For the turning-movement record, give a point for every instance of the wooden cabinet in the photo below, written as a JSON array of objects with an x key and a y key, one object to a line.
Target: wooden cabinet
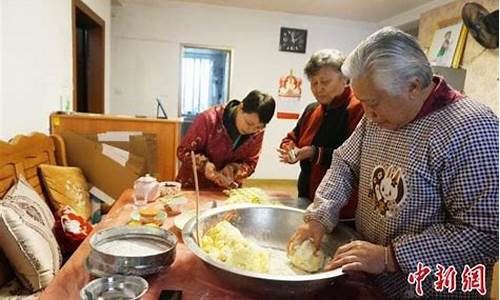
[{"x": 167, "y": 133}]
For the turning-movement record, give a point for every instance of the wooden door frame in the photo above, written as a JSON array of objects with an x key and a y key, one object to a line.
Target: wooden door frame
[{"x": 97, "y": 82}]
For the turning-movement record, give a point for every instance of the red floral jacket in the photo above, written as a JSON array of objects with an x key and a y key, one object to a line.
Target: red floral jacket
[{"x": 208, "y": 136}]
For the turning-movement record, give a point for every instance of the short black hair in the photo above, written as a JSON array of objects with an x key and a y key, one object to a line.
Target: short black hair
[{"x": 261, "y": 104}]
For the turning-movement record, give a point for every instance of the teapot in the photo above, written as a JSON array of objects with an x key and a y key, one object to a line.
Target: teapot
[{"x": 146, "y": 188}]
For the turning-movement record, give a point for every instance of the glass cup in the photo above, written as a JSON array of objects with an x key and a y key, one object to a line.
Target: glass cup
[{"x": 140, "y": 200}]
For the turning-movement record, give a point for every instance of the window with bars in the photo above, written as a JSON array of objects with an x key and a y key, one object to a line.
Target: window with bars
[{"x": 205, "y": 79}]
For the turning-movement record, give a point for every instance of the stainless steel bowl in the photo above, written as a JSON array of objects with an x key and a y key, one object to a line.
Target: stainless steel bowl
[
  {"x": 114, "y": 288},
  {"x": 104, "y": 260},
  {"x": 271, "y": 227}
]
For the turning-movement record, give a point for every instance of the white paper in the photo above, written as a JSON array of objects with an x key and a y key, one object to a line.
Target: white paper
[
  {"x": 96, "y": 192},
  {"x": 116, "y": 136},
  {"x": 116, "y": 154}
]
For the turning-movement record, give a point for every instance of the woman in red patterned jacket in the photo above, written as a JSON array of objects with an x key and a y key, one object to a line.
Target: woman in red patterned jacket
[
  {"x": 324, "y": 124},
  {"x": 226, "y": 141}
]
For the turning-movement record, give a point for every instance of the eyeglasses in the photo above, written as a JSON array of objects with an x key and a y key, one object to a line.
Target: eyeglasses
[{"x": 249, "y": 121}]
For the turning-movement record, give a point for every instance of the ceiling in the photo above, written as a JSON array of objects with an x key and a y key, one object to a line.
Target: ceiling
[{"x": 359, "y": 10}]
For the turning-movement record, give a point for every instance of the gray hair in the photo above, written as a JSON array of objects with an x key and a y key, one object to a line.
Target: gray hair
[
  {"x": 390, "y": 57},
  {"x": 324, "y": 58}
]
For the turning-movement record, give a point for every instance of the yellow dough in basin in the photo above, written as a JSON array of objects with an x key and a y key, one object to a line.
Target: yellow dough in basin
[
  {"x": 305, "y": 257},
  {"x": 225, "y": 242}
]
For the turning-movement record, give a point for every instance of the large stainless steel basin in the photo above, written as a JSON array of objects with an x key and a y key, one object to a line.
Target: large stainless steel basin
[{"x": 270, "y": 226}]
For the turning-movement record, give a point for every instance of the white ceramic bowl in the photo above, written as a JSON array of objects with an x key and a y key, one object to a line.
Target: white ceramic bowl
[{"x": 170, "y": 188}]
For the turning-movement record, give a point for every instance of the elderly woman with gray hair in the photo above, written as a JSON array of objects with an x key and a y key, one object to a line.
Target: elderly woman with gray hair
[
  {"x": 425, "y": 162},
  {"x": 324, "y": 125}
]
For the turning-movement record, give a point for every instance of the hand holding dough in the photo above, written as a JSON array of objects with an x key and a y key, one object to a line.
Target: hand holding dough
[{"x": 306, "y": 257}]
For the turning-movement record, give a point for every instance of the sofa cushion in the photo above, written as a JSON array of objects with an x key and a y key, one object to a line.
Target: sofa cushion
[
  {"x": 14, "y": 290},
  {"x": 71, "y": 230},
  {"x": 26, "y": 237},
  {"x": 66, "y": 186},
  {"x": 6, "y": 273},
  {"x": 22, "y": 192}
]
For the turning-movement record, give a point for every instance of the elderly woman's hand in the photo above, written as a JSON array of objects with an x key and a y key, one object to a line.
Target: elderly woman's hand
[
  {"x": 284, "y": 156},
  {"x": 293, "y": 155},
  {"x": 305, "y": 152},
  {"x": 359, "y": 256},
  {"x": 313, "y": 230}
]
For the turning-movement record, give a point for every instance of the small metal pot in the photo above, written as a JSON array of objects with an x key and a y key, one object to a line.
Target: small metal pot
[
  {"x": 103, "y": 260},
  {"x": 115, "y": 287}
]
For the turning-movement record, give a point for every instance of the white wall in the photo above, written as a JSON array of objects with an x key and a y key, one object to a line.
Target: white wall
[
  {"x": 37, "y": 61},
  {"x": 146, "y": 50},
  {"x": 412, "y": 15}
]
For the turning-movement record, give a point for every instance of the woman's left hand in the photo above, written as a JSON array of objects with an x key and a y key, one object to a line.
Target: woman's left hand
[
  {"x": 230, "y": 170},
  {"x": 359, "y": 256},
  {"x": 284, "y": 156},
  {"x": 305, "y": 152},
  {"x": 223, "y": 181}
]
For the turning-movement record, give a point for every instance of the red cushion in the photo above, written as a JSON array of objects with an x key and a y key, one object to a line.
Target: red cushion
[{"x": 71, "y": 229}]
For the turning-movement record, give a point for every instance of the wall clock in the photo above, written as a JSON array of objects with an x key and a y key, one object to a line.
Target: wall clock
[{"x": 293, "y": 40}]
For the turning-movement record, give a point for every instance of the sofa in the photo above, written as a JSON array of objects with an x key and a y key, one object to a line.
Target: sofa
[{"x": 20, "y": 161}]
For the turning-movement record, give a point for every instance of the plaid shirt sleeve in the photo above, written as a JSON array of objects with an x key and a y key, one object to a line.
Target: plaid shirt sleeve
[
  {"x": 335, "y": 189},
  {"x": 468, "y": 177}
]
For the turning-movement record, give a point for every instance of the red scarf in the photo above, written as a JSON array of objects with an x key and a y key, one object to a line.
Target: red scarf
[{"x": 441, "y": 95}]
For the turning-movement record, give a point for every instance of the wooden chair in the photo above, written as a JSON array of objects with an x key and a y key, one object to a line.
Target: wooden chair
[{"x": 23, "y": 154}]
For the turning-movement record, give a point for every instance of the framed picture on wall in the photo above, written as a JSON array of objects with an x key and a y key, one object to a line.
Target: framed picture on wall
[{"x": 448, "y": 45}]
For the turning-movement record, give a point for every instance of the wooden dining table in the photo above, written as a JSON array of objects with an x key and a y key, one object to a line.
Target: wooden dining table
[{"x": 188, "y": 273}]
